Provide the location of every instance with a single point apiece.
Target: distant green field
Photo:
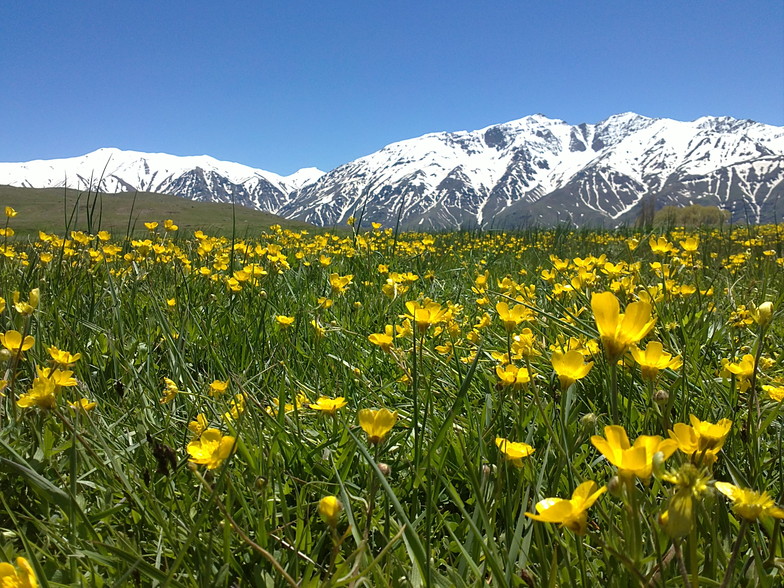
(57, 209)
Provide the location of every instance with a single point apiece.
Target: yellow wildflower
(12, 340)
(27, 308)
(570, 367)
(702, 438)
(63, 358)
(632, 460)
(514, 452)
(329, 508)
(198, 425)
(620, 331)
(83, 405)
(749, 504)
(329, 405)
(24, 576)
(377, 423)
(570, 513)
(285, 321)
(218, 388)
(169, 392)
(211, 449)
(653, 359)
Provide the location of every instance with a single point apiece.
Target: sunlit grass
(549, 407)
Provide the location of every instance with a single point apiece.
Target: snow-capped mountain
(542, 170)
(531, 170)
(199, 178)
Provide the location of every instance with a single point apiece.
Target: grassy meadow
(295, 408)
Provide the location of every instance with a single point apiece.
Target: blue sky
(289, 84)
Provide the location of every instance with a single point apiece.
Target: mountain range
(534, 170)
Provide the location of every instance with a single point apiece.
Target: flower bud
(763, 314)
(5, 355)
(384, 468)
(661, 397)
(615, 487)
(329, 508)
(588, 421)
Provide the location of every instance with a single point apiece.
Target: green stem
(734, 557)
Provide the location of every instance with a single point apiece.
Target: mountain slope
(531, 170)
(542, 170)
(200, 178)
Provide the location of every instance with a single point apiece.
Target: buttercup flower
(170, 391)
(285, 321)
(570, 513)
(329, 508)
(426, 316)
(511, 375)
(12, 340)
(218, 388)
(632, 460)
(377, 423)
(514, 452)
(63, 358)
(763, 314)
(749, 504)
(27, 308)
(620, 331)
(43, 394)
(198, 425)
(23, 577)
(701, 438)
(329, 405)
(653, 359)
(211, 449)
(83, 405)
(512, 317)
(570, 367)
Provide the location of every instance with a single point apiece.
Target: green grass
(54, 209)
(110, 498)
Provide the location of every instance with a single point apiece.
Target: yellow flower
(169, 392)
(620, 331)
(339, 284)
(63, 358)
(425, 316)
(211, 449)
(27, 308)
(24, 577)
(377, 423)
(742, 370)
(763, 314)
(2, 304)
(171, 302)
(169, 225)
(512, 317)
(151, 226)
(12, 340)
(383, 340)
(749, 504)
(632, 460)
(198, 425)
(513, 376)
(514, 452)
(285, 321)
(329, 508)
(690, 245)
(218, 388)
(237, 407)
(570, 513)
(10, 212)
(59, 377)
(701, 438)
(776, 393)
(653, 359)
(570, 367)
(83, 405)
(329, 405)
(43, 394)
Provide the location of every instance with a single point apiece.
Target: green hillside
(55, 209)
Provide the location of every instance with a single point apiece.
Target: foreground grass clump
(541, 408)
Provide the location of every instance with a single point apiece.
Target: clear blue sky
(288, 84)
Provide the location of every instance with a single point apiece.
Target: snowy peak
(532, 169)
